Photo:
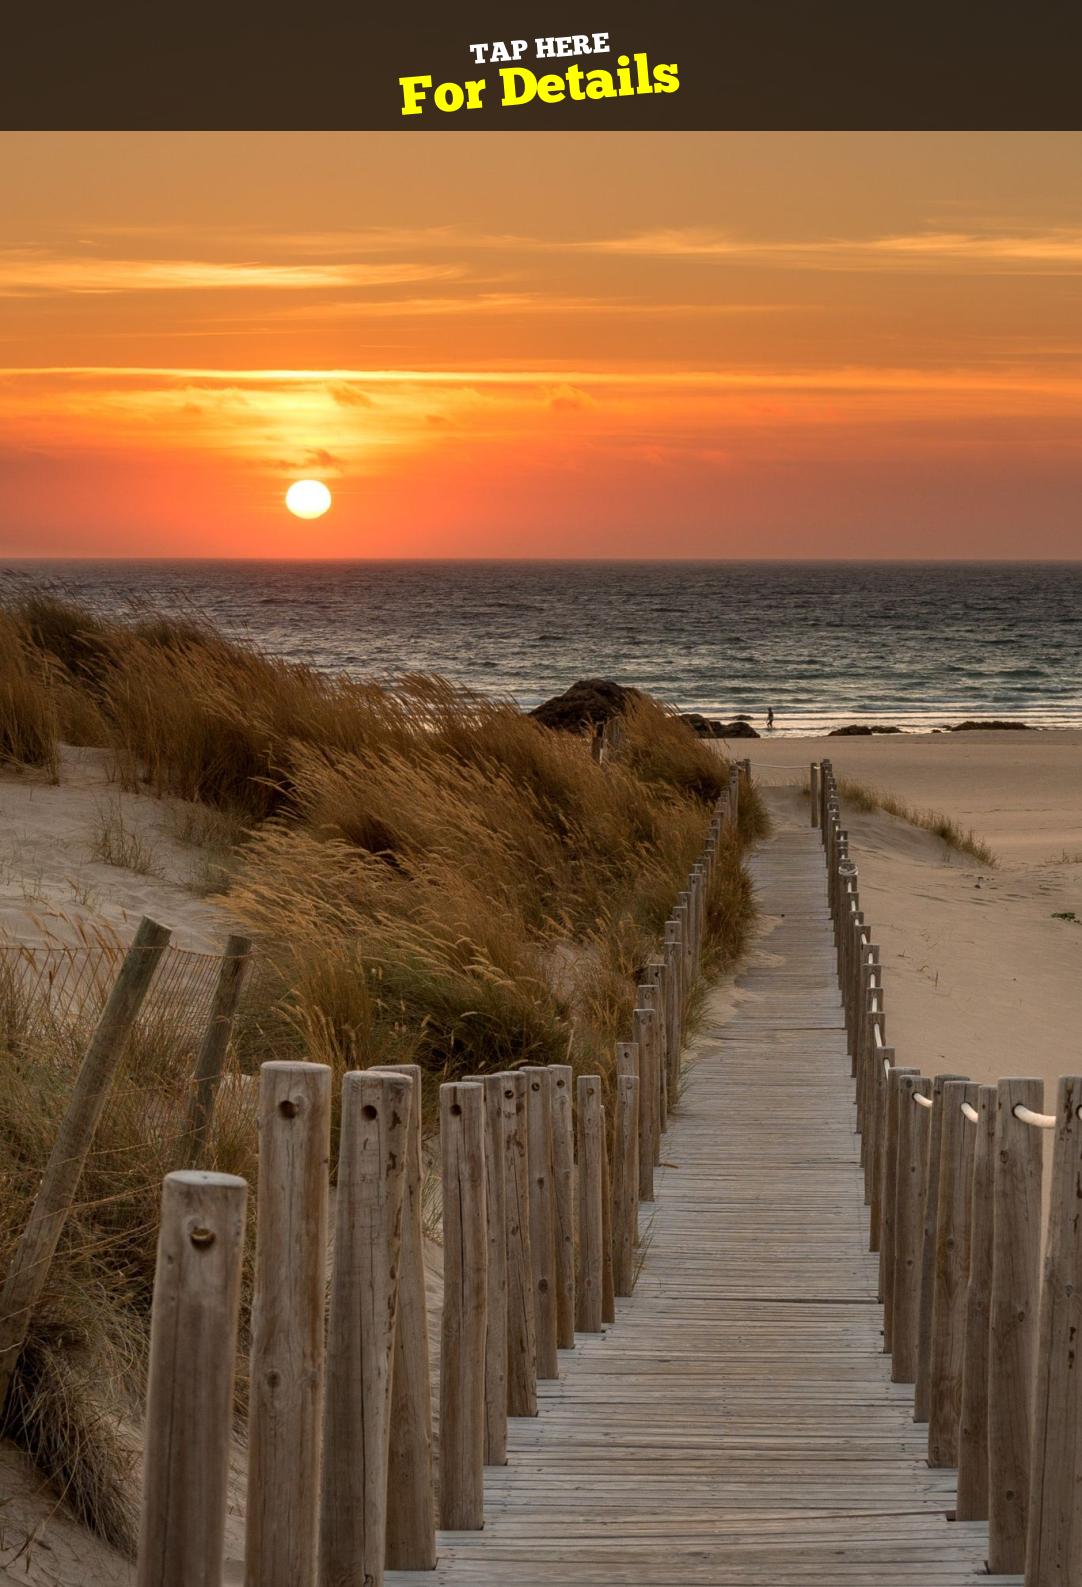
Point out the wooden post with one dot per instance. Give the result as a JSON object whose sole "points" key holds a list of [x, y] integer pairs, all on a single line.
{"points": [[542, 1217], [372, 1158], [32, 1260], [914, 1124], [646, 998], [1054, 1541], [656, 979], [465, 1263], [973, 1422], [563, 1184], [521, 1310], [285, 1413], [643, 1032], [1016, 1283], [411, 1531], [193, 1343], [496, 1277], [589, 1293], [895, 1099], [813, 786], [923, 1389], [608, 1286], [882, 1063], [626, 1167], [673, 1021], [210, 1059], [957, 1147]]}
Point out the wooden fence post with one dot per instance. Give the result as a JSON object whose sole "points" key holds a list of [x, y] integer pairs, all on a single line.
{"points": [[193, 1344], [542, 1217], [1054, 1540], [589, 1289], [608, 1285], [210, 1059], [29, 1270], [646, 997], [922, 1390], [914, 1126], [496, 1289], [372, 1157], [973, 1421], [1016, 1285], [896, 1097], [563, 1184], [813, 789], [643, 1034], [957, 1146], [285, 1411], [521, 1309], [882, 1064], [673, 1020], [657, 980], [626, 1167], [462, 1354], [411, 1530]]}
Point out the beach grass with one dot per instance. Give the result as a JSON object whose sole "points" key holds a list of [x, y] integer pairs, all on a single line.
{"points": [[430, 876], [959, 839]]}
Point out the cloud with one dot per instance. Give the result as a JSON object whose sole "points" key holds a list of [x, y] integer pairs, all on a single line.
{"points": [[26, 272]]}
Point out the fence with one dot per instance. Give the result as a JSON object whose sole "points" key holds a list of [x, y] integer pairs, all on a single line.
{"points": [[53, 998], [953, 1186], [542, 1177]]}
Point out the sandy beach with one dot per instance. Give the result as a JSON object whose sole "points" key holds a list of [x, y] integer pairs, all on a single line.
{"points": [[983, 968]]}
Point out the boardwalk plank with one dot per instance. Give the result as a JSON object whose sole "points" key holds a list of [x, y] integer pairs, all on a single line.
{"points": [[737, 1426]]}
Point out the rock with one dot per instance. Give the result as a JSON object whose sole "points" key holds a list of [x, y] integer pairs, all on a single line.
{"points": [[860, 730], [586, 703], [706, 727], [991, 727]]}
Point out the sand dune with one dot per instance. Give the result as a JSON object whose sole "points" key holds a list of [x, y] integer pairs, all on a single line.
{"points": [[983, 965]]}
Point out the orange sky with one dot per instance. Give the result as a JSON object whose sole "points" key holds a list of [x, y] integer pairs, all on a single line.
{"points": [[547, 344]]}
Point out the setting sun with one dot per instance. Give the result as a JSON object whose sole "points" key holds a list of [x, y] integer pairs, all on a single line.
{"points": [[308, 498]]}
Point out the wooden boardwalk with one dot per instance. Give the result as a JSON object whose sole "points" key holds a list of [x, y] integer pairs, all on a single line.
{"points": [[737, 1426]]}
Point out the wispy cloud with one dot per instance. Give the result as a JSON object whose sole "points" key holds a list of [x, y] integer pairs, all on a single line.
{"points": [[27, 272]]}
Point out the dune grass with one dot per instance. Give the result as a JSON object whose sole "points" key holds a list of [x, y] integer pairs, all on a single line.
{"points": [[862, 796], [430, 876]]}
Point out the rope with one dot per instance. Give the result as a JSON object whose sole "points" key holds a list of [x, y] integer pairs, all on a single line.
{"points": [[1039, 1121], [971, 1113], [923, 1101]]}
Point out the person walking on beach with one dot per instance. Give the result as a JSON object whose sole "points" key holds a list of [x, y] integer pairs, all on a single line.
{"points": [[770, 718]]}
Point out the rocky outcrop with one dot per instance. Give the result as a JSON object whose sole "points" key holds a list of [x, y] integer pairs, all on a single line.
{"points": [[860, 730], [706, 727], [992, 727], [587, 703]]}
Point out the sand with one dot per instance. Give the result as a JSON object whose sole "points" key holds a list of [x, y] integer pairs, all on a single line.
{"points": [[52, 886], [982, 976]]}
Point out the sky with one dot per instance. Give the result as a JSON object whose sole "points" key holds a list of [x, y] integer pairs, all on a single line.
{"points": [[542, 344]]}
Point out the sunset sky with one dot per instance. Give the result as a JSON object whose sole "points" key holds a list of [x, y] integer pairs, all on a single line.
{"points": [[542, 344]]}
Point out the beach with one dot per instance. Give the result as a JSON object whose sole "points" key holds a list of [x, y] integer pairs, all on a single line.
{"points": [[981, 962]]}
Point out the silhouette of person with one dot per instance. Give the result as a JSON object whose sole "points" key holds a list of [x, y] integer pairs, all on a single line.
{"points": [[769, 717]]}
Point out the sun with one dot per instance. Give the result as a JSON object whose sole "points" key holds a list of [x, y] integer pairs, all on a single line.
{"points": [[308, 498]]}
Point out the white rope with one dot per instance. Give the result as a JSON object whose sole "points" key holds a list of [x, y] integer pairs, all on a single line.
{"points": [[1039, 1121], [971, 1113], [887, 1066], [878, 1034], [923, 1101]]}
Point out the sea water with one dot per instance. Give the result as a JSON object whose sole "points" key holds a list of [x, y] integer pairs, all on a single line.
{"points": [[911, 645]]}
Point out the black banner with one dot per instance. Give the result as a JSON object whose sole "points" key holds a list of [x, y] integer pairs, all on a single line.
{"points": [[591, 65]]}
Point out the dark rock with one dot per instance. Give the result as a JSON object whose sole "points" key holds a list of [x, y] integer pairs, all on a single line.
{"points": [[991, 727], [585, 704], [706, 727], [860, 730]]}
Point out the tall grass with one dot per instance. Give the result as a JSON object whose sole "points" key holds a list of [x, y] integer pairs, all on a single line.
{"points": [[960, 839], [431, 876]]}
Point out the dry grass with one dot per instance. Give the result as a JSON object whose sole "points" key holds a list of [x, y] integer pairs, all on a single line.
{"points": [[864, 797], [76, 1394], [114, 842], [29, 728], [432, 876]]}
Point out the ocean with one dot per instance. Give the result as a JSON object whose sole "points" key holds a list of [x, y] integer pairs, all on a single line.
{"points": [[911, 645]]}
